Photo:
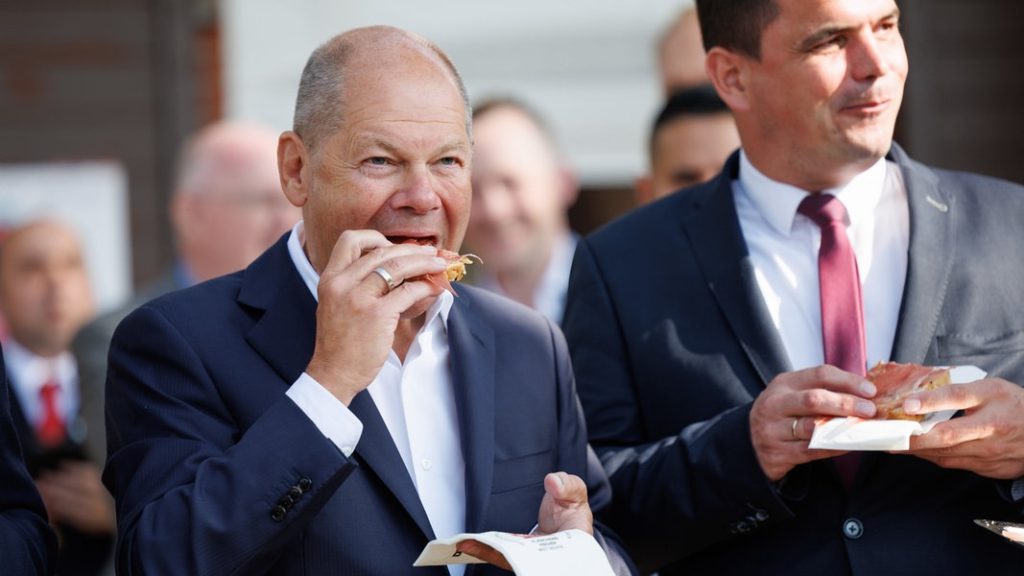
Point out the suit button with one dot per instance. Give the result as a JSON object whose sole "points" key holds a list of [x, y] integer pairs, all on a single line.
{"points": [[853, 529], [277, 513], [305, 484], [286, 501], [295, 492], [741, 527]]}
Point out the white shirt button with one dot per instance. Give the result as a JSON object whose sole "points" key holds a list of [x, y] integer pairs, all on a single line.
{"points": [[426, 464]]}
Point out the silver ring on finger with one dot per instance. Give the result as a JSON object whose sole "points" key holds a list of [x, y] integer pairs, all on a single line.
{"points": [[792, 429], [386, 276]]}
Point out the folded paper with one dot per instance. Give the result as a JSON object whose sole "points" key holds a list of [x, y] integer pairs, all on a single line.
{"points": [[568, 552]]}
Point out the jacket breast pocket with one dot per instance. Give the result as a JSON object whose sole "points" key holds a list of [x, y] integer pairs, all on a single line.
{"points": [[521, 471], [999, 354]]}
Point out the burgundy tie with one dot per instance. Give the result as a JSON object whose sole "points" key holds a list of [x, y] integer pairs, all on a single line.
{"points": [[842, 311]]}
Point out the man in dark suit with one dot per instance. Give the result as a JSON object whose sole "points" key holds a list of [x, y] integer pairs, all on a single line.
{"points": [[699, 333], [45, 297], [331, 409], [29, 547]]}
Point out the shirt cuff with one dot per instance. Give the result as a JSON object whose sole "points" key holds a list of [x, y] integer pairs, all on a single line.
{"points": [[330, 415], [1017, 490]]}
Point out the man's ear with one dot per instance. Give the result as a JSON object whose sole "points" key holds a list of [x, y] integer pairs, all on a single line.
{"points": [[187, 218], [728, 73], [570, 186], [643, 190], [293, 168]]}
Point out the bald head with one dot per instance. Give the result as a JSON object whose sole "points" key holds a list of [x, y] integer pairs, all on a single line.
{"points": [[370, 50], [681, 53], [44, 289], [228, 205], [224, 151]]}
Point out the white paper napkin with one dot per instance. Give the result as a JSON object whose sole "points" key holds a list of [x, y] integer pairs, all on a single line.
{"points": [[857, 434], [568, 552]]}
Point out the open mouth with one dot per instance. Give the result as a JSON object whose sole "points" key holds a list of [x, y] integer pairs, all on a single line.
{"points": [[421, 240]]}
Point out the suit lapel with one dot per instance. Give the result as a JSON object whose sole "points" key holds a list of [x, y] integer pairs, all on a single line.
{"points": [[930, 258], [932, 244], [472, 362], [377, 450], [285, 336], [714, 232]]}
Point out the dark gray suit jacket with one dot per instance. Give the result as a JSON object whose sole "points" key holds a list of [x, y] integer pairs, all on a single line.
{"points": [[671, 343]]}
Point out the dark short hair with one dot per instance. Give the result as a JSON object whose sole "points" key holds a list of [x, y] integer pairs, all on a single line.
{"points": [[699, 100], [735, 25]]}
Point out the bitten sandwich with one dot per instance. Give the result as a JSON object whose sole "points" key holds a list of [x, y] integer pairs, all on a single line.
{"points": [[896, 381]]}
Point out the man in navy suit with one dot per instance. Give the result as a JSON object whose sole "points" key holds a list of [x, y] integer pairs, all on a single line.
{"points": [[28, 546], [699, 334], [330, 409]]}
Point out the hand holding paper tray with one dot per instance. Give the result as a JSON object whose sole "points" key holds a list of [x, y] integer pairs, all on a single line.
{"points": [[857, 434], [568, 552]]}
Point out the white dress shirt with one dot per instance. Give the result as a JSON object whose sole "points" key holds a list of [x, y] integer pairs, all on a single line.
{"points": [[783, 247], [417, 403], [28, 373], [549, 296]]}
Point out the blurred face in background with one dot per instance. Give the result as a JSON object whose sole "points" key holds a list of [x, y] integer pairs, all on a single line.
{"points": [[686, 151], [229, 207], [520, 192], [44, 288]]}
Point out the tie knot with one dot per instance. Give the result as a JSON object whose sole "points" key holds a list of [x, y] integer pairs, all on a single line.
{"points": [[49, 390], [824, 209]]}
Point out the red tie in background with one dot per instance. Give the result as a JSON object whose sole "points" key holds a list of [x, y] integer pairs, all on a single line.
{"points": [[51, 429], [842, 311]]}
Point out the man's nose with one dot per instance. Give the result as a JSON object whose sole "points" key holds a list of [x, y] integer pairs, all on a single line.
{"points": [[492, 202], [418, 193], [869, 58]]}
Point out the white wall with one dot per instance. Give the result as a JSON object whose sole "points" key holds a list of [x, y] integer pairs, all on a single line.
{"points": [[588, 66], [92, 198]]}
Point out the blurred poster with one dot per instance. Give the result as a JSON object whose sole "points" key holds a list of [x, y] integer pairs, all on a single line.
{"points": [[92, 197]]}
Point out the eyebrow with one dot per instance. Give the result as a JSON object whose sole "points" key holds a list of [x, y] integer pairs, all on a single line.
{"points": [[453, 146], [817, 37]]}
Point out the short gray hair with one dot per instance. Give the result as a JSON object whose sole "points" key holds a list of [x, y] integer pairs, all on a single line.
{"points": [[318, 107]]}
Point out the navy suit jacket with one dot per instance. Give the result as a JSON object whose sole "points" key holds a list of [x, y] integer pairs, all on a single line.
{"points": [[215, 471], [672, 342], [27, 546]]}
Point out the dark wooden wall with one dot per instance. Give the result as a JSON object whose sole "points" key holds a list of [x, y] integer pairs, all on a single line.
{"points": [[964, 106], [110, 79]]}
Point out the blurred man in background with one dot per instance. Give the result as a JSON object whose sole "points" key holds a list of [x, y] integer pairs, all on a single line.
{"points": [[227, 208], [45, 298], [519, 223], [691, 139]]}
